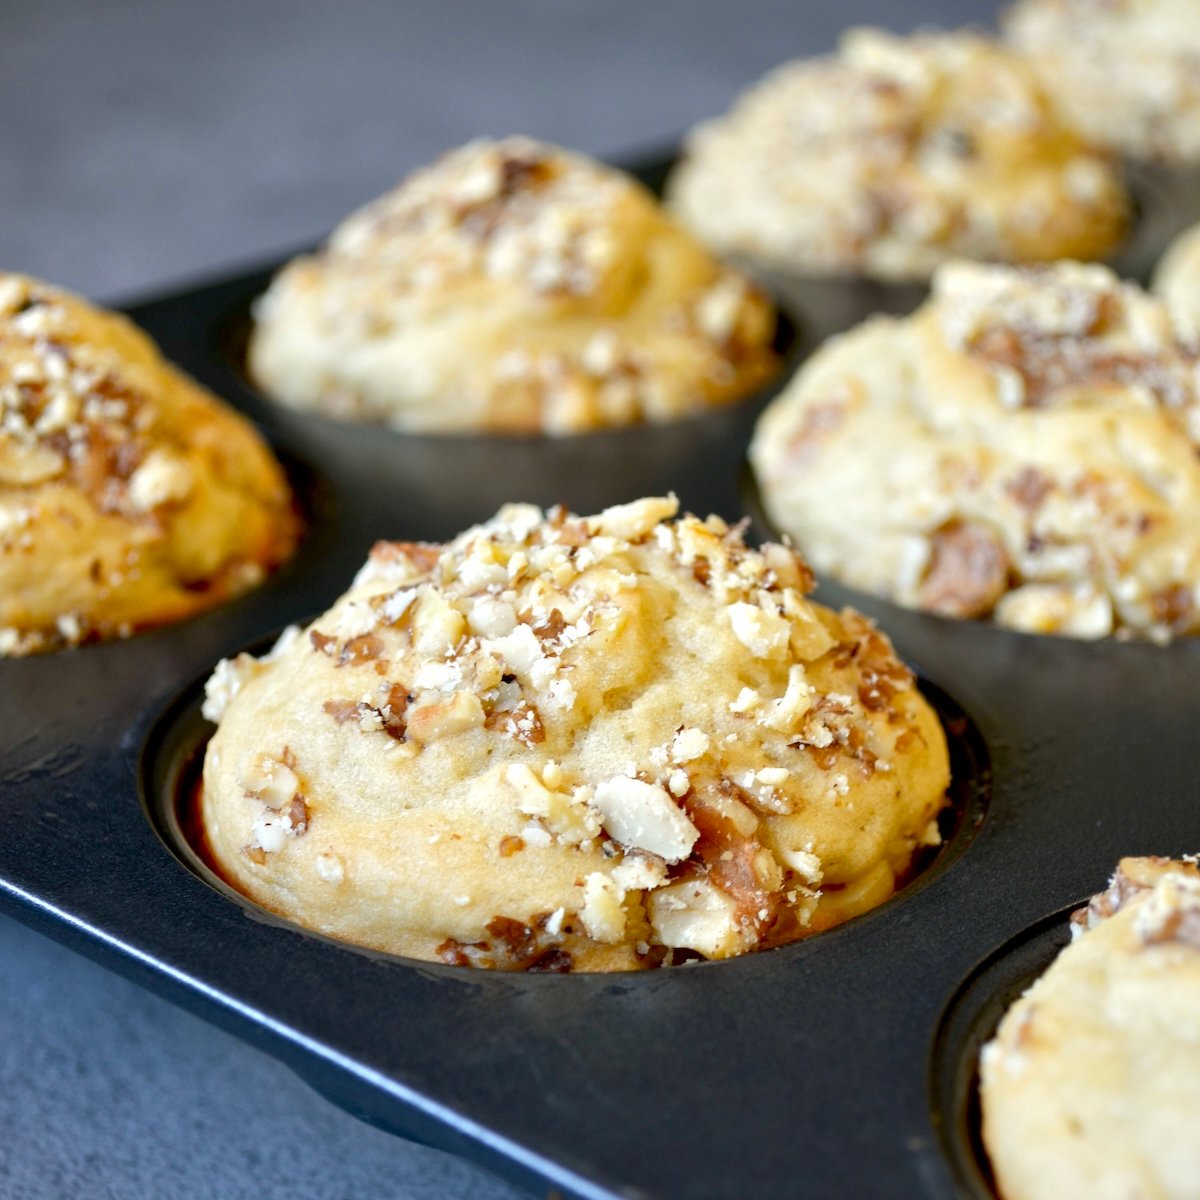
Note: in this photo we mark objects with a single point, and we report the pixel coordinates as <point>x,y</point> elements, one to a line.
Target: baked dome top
<point>1024,447</point>
<point>129,495</point>
<point>565,742</point>
<point>1091,1086</point>
<point>893,155</point>
<point>512,287</point>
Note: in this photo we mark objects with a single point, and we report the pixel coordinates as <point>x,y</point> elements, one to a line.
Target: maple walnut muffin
<point>1092,1084</point>
<point>129,496</point>
<point>1126,73</point>
<point>512,287</point>
<point>573,743</point>
<point>1024,447</point>
<point>893,155</point>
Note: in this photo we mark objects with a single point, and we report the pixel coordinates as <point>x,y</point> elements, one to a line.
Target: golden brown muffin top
<point>640,725</point>
<point>1022,447</point>
<point>891,156</point>
<point>129,496</point>
<point>512,287</point>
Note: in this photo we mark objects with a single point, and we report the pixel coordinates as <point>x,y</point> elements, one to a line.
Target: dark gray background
<point>143,143</point>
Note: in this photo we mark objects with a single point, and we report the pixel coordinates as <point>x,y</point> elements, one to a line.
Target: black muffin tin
<point>837,1066</point>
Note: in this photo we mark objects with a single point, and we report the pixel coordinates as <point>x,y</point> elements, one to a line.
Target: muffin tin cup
<point>826,306</point>
<point>1165,200</point>
<point>1167,203</point>
<point>968,1023</point>
<point>803,1071</point>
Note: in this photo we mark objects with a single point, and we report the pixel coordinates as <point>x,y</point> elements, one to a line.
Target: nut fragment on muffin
<point>1126,73</point>
<point>512,287</point>
<point>893,155</point>
<point>556,743</point>
<point>1091,1086</point>
<point>1024,447</point>
<point>129,496</point>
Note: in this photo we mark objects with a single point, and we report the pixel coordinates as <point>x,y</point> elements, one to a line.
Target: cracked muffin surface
<point>559,743</point>
<point>1024,448</point>
<point>512,287</point>
<point>1091,1086</point>
<point>893,155</point>
<point>129,495</point>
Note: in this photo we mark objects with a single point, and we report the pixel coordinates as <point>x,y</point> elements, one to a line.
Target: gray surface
<point>110,1093</point>
<point>144,142</point>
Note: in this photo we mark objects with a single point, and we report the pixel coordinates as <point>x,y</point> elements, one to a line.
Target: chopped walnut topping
<point>1133,877</point>
<point>521,722</point>
<point>785,713</point>
<point>1049,332</point>
<point>763,633</point>
<point>805,864</point>
<point>342,710</point>
<point>565,815</point>
<point>492,618</point>
<point>273,826</point>
<point>269,780</point>
<point>893,167</point>
<point>639,871</point>
<point>678,851</point>
<point>772,776</point>
<point>968,570</point>
<point>386,714</point>
<point>689,744</point>
<point>1174,607</point>
<point>1171,912</point>
<point>430,720</point>
<point>232,674</point>
<point>602,914</point>
<point>634,521</point>
<point>511,210</point>
<point>1029,487</point>
<point>645,817</point>
<point>437,625</point>
<point>70,408</point>
<point>513,945</point>
<point>519,650</point>
<point>695,915</point>
<point>162,478</point>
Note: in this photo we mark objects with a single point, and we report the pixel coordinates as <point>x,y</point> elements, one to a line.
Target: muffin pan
<point>831,1066</point>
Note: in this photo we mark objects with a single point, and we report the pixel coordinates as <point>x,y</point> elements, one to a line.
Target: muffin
<point>893,155</point>
<point>1092,1084</point>
<point>1177,281</point>
<point>514,288</point>
<point>129,496</point>
<point>1125,73</point>
<point>562,743</point>
<point>1024,447</point>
